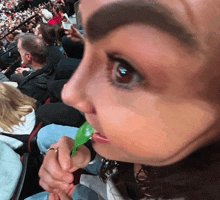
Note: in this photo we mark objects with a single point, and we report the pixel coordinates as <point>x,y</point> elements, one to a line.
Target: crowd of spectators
<point>12,14</point>
<point>27,21</point>
<point>33,59</point>
<point>11,18</point>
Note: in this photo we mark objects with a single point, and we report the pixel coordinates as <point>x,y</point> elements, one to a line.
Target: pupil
<point>123,71</point>
<point>124,75</point>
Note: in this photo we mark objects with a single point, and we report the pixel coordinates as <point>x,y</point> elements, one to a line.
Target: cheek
<point>133,126</point>
<point>133,133</point>
<point>148,126</point>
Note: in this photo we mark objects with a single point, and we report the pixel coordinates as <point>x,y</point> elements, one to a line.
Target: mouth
<point>97,137</point>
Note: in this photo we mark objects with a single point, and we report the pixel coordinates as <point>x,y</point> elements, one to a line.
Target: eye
<point>121,74</point>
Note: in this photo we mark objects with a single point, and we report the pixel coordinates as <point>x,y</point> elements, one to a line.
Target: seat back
<point>32,142</point>
<point>18,190</point>
<point>28,184</point>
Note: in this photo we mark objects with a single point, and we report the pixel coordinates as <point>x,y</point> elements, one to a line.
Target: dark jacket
<point>12,55</point>
<point>54,55</point>
<point>3,78</point>
<point>35,84</point>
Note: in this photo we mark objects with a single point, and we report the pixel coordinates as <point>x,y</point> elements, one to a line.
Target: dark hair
<point>48,33</point>
<point>23,28</point>
<point>58,9</point>
<point>191,178</point>
<point>60,32</point>
<point>51,34</point>
<point>38,19</point>
<point>35,46</point>
<point>10,37</point>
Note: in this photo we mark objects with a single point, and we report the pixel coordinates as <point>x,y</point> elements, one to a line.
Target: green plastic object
<point>83,135</point>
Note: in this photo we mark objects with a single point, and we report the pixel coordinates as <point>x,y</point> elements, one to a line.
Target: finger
<point>52,167</point>
<point>73,38</point>
<point>70,191</point>
<point>66,145</point>
<point>64,196</point>
<point>67,32</point>
<point>70,37</point>
<point>51,185</point>
<point>51,174</point>
<point>53,196</point>
<point>80,160</point>
<point>47,188</point>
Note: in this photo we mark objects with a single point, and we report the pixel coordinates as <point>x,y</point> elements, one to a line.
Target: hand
<point>57,168</point>
<point>20,70</point>
<point>74,35</point>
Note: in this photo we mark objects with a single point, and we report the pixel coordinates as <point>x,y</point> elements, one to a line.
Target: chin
<point>112,153</point>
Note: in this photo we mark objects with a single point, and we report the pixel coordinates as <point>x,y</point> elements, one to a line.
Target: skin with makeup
<point>148,84</point>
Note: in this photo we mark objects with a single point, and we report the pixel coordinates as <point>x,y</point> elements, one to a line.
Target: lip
<point>97,137</point>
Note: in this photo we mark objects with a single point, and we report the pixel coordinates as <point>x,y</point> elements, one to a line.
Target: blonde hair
<point>13,106</point>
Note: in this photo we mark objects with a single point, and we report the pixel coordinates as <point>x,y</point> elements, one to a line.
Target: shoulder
<point>11,167</point>
<point>8,159</point>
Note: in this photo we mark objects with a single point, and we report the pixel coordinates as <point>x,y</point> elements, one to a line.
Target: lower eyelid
<point>135,82</point>
<point>139,80</point>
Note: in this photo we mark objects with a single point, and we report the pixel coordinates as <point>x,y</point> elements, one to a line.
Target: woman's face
<point>149,79</point>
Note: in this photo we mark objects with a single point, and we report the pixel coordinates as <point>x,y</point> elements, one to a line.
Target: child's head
<point>13,106</point>
<point>149,80</point>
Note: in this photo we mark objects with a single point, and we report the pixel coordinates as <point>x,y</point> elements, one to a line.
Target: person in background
<point>3,65</point>
<point>58,15</point>
<point>33,52</point>
<point>12,54</point>
<point>46,15</point>
<point>50,36</point>
<point>17,114</point>
<point>2,49</point>
<point>73,43</point>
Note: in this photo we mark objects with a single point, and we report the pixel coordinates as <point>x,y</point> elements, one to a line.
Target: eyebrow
<point>115,15</point>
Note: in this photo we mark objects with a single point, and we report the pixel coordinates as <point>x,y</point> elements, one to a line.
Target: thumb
<point>65,146</point>
<point>81,159</point>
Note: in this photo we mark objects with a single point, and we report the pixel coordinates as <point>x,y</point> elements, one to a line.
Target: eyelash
<point>112,60</point>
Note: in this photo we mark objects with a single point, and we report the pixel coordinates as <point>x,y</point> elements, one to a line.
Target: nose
<point>75,91</point>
